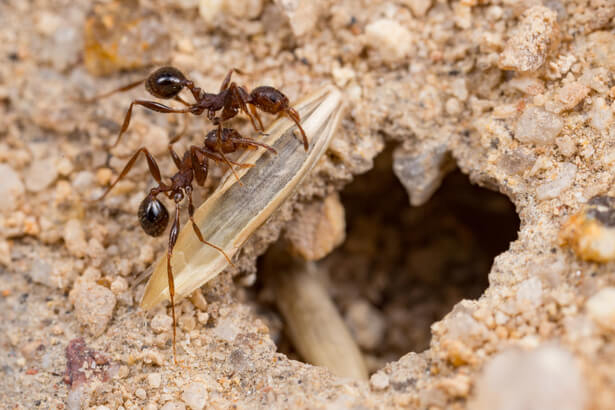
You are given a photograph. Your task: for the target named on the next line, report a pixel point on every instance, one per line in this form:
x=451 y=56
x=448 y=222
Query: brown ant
x=167 y=82
x=194 y=165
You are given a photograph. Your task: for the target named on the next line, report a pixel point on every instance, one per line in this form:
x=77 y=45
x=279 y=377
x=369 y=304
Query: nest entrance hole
x=402 y=268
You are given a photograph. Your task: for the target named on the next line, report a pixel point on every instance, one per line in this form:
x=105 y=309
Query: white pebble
x=40 y=174
x=563 y=180
x=11 y=188
x=537 y=126
x=601 y=115
x=195 y=396
x=174 y=405
x=391 y=40
x=601 y=308
x=140 y=394
x=546 y=378
x=161 y=323
x=74 y=238
x=226 y=330
x=94 y=306
x=154 y=380
x=531 y=41
x=379 y=381
x=529 y=293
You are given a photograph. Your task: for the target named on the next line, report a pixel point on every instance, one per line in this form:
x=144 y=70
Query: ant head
x=153 y=216
x=166 y=82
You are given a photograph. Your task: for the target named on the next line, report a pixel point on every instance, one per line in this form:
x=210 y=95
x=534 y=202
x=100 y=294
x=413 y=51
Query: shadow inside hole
x=403 y=268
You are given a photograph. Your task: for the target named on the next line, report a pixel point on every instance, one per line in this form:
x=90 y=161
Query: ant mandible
x=167 y=82
x=194 y=165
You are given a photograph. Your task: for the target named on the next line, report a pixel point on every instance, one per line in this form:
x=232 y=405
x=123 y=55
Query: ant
x=167 y=82
x=194 y=165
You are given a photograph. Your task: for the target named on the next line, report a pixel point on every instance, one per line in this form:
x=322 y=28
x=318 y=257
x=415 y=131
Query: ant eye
x=166 y=82
x=153 y=216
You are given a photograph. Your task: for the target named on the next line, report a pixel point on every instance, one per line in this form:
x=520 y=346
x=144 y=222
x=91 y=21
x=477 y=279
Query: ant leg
x=199 y=168
x=198 y=233
x=172 y=239
x=150 y=105
x=151 y=163
x=224 y=159
x=227 y=79
x=176 y=159
x=243 y=97
x=294 y=115
x=117 y=90
x=258 y=118
x=213 y=155
x=237 y=138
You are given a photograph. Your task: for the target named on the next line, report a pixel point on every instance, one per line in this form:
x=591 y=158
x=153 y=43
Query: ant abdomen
x=165 y=83
x=153 y=216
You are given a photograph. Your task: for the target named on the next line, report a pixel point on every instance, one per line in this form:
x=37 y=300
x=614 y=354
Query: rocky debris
x=318 y=229
x=536 y=36
x=422 y=173
x=94 y=306
x=545 y=378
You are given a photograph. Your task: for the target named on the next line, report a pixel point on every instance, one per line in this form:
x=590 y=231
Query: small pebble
x=187 y=322
x=563 y=180
x=161 y=323
x=537 y=126
x=11 y=188
x=119 y=285
x=521 y=380
x=74 y=238
x=601 y=308
x=140 y=394
x=154 y=380
x=531 y=42
x=379 y=381
x=94 y=306
x=202 y=317
x=40 y=174
x=199 y=300
x=195 y=396
x=318 y=229
x=174 y=405
x=392 y=41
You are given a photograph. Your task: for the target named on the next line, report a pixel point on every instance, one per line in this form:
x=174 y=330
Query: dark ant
x=167 y=82
x=194 y=165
